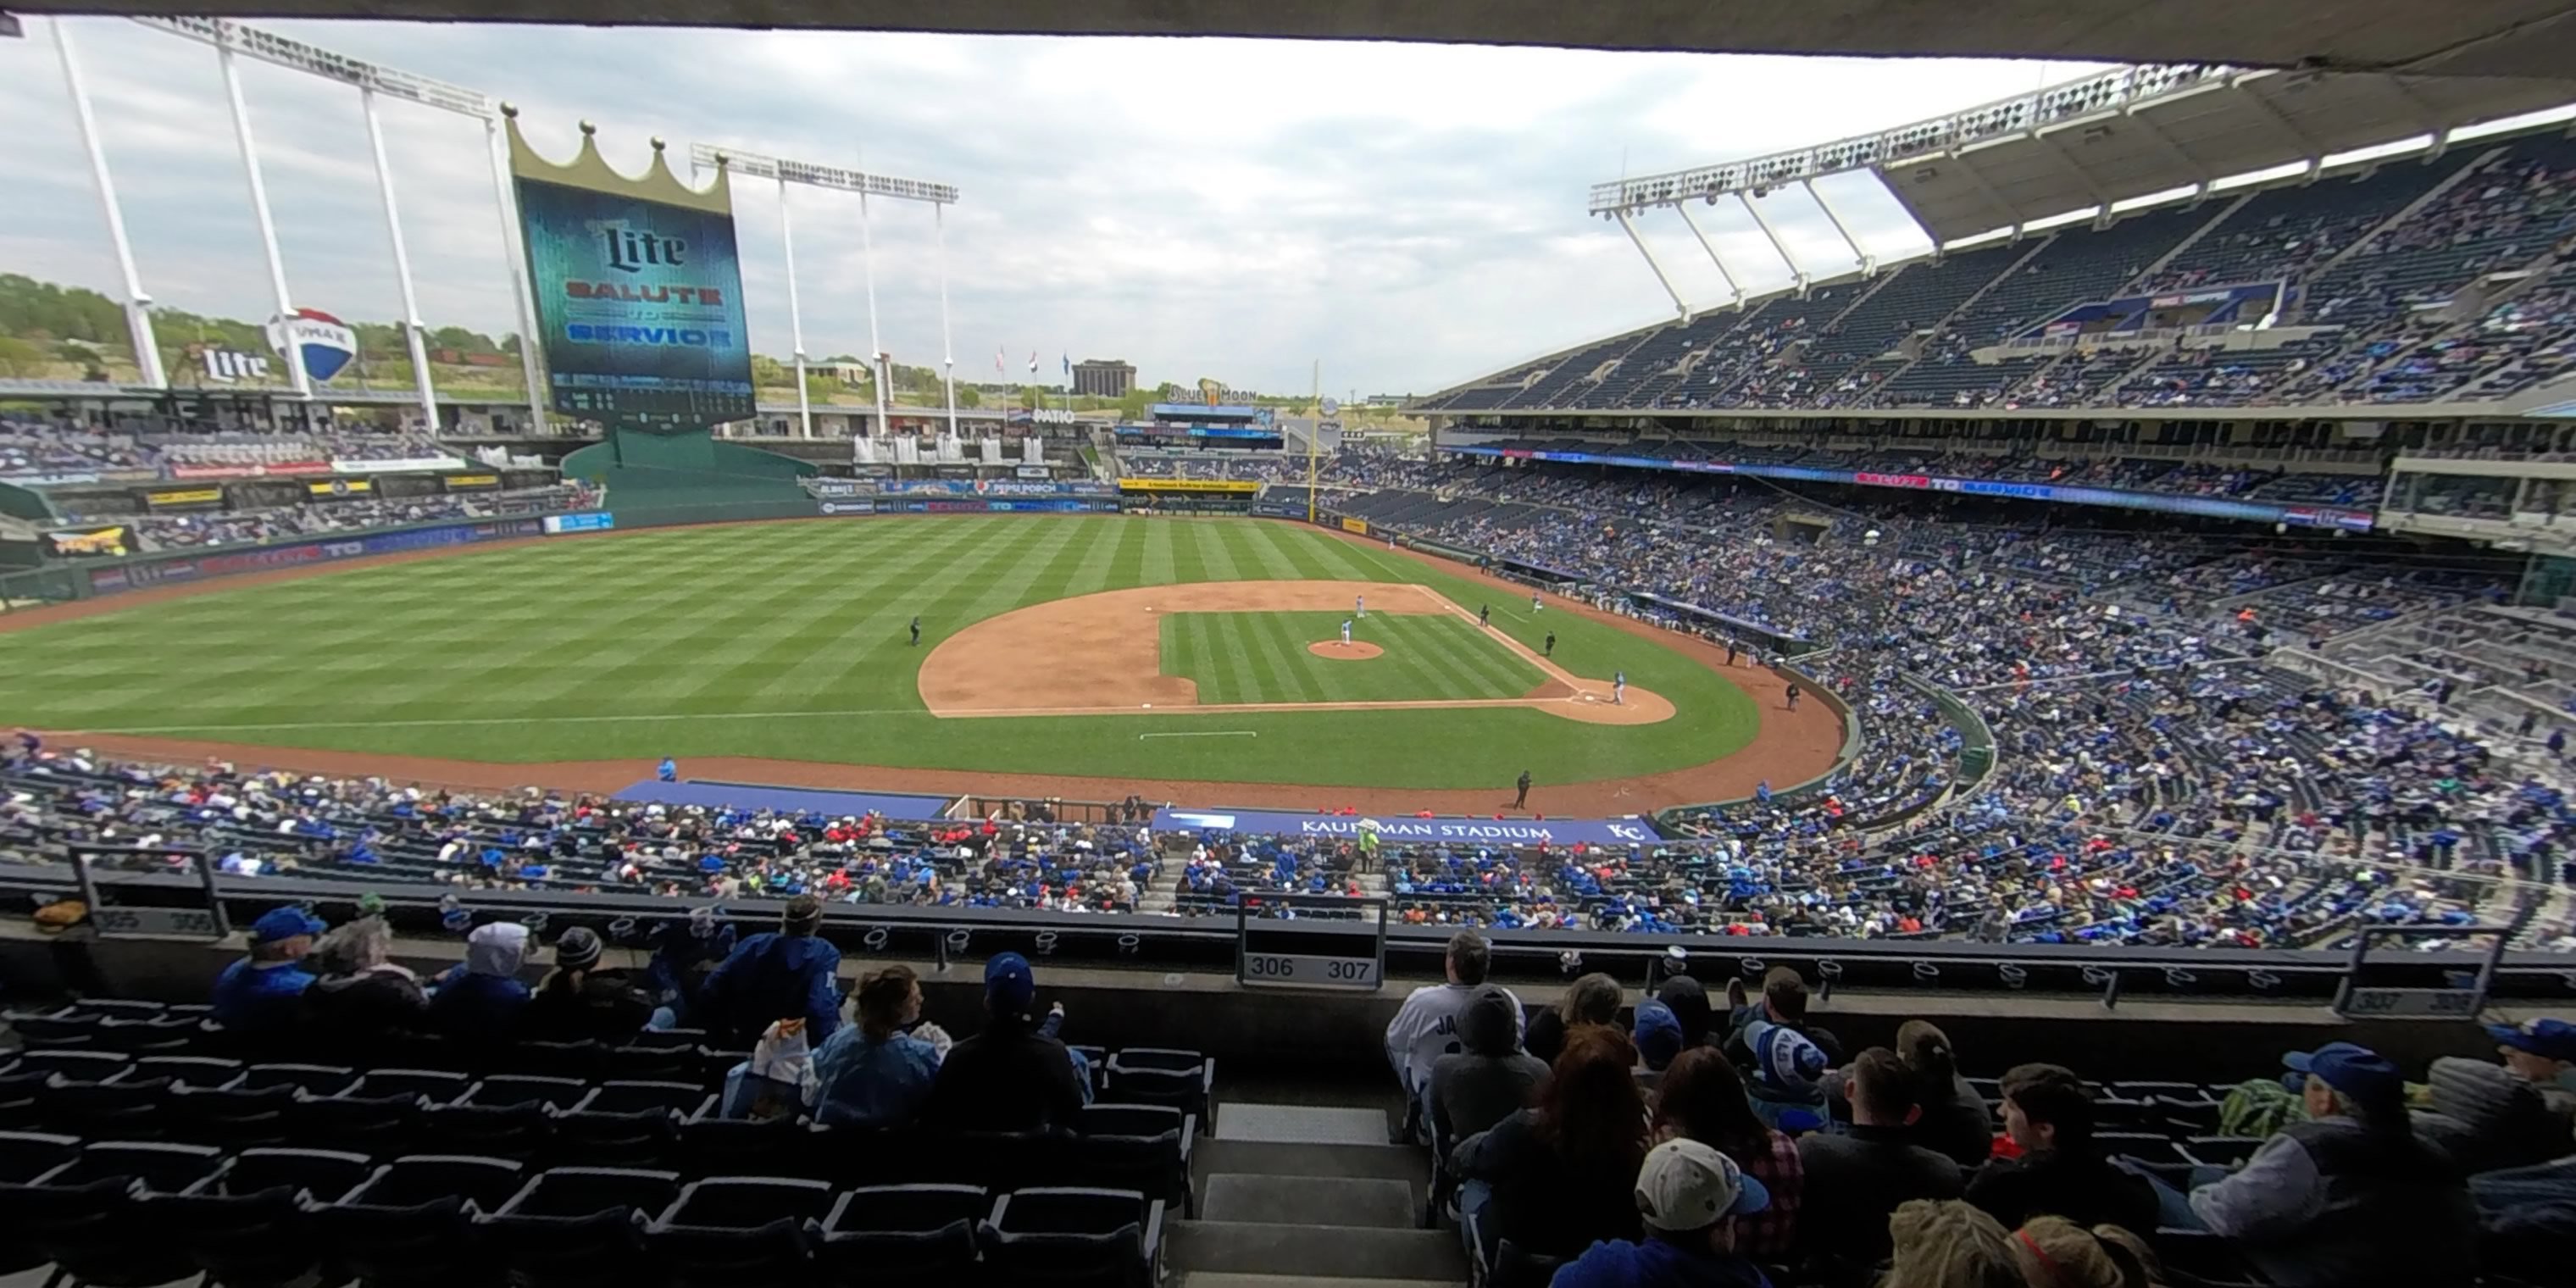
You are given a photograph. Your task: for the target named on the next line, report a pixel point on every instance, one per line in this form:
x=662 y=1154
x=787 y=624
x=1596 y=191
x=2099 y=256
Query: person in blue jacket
x=1688 y=1196
x=669 y=771
x=785 y=974
x=482 y=999
x=261 y=993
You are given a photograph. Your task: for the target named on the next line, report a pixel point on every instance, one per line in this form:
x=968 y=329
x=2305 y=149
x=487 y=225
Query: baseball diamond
x=787 y=645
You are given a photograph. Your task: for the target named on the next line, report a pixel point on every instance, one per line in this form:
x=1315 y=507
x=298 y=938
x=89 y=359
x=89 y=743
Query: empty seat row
x=149 y=1212
x=669 y=1125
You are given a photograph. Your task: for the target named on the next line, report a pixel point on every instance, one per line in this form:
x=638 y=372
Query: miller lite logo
x=325 y=343
x=227 y=366
x=631 y=250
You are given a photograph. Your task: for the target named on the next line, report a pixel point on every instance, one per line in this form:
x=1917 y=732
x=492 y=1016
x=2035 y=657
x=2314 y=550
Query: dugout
x=1539 y=574
x=1755 y=634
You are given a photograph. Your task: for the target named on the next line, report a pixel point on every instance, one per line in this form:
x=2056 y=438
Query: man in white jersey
x=1425 y=1028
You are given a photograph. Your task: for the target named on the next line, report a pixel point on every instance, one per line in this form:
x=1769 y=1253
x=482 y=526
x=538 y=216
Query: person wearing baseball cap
x=263 y=992
x=2542 y=1053
x=788 y=973
x=1013 y=1076
x=2348 y=1198
x=1688 y=1196
x=1658 y=1035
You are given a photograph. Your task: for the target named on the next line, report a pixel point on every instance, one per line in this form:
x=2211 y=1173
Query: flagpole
x=1314 y=435
x=878 y=372
x=947 y=350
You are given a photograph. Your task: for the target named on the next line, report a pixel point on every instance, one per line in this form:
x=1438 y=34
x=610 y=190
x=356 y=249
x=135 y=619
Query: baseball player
x=1484 y=615
x=1618 y=688
x=1535 y=603
x=1346 y=632
x=1360 y=602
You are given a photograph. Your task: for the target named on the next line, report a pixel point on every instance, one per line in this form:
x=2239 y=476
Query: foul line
x=1202 y=733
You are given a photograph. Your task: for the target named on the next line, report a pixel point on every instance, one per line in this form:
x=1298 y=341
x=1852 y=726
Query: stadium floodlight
x=938 y=196
x=138 y=302
x=371 y=80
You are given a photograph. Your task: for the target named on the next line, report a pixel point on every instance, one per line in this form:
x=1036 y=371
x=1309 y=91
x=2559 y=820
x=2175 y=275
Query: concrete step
x=1301 y=1124
x=1295 y=1158
x=1309 y=1253
x=1308 y=1200
x=1221 y=1279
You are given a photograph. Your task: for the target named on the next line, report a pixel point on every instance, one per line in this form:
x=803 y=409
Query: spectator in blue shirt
x=873 y=1074
x=481 y=998
x=262 y=992
x=786 y=974
x=668 y=771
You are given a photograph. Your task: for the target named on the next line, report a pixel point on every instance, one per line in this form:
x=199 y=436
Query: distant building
x=1389 y=400
x=1094 y=378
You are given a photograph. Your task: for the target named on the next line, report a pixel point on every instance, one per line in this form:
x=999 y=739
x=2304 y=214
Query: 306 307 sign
x=1299 y=970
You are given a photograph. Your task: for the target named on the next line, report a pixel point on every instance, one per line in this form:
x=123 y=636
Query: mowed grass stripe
x=1284 y=659
x=1234 y=656
x=1160 y=563
x=1275 y=563
x=1467 y=649
x=1434 y=679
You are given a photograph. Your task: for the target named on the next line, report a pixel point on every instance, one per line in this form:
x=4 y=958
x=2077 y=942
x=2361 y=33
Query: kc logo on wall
x=325 y=342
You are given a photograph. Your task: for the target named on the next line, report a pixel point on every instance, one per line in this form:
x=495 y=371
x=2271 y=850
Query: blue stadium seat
x=899 y=1235
x=1140 y=1147
x=733 y=1230
x=88 y=1216
x=250 y=1225
x=1097 y=1238
x=24 y=1156
x=578 y=1227
x=625 y=1124
x=411 y=1223
x=1162 y=1076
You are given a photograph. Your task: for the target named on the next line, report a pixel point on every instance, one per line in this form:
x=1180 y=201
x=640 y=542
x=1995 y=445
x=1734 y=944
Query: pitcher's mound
x=1355 y=651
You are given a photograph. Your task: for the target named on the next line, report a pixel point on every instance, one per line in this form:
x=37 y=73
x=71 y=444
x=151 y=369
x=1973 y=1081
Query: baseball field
x=1107 y=652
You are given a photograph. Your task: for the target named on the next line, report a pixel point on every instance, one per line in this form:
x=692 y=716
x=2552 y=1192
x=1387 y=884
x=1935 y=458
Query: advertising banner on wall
x=638 y=290
x=87 y=543
x=594 y=521
x=1404 y=828
x=395 y=465
x=471 y=482
x=155 y=572
x=338 y=488
x=171 y=498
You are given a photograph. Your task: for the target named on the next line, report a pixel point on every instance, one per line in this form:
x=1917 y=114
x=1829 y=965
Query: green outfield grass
x=1262 y=657
x=788 y=640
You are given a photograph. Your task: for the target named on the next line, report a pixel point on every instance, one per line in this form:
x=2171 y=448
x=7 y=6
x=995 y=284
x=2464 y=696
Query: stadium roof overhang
x=2448 y=37
x=2116 y=137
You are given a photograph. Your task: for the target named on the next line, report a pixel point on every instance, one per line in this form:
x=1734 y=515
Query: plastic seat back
x=902 y=1234
x=733 y=1230
x=572 y=1226
x=1071 y=1236
x=251 y=1224
x=411 y=1223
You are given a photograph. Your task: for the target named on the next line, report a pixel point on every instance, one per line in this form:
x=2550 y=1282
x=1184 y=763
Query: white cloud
x=1409 y=214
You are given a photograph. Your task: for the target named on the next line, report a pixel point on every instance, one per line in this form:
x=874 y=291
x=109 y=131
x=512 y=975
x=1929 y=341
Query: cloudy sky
x=1408 y=215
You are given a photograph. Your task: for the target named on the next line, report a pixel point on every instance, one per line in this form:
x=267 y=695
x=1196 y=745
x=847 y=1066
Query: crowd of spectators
x=2364 y=263
x=1735 y=1142
x=209 y=529
x=159 y=446
x=2155 y=783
